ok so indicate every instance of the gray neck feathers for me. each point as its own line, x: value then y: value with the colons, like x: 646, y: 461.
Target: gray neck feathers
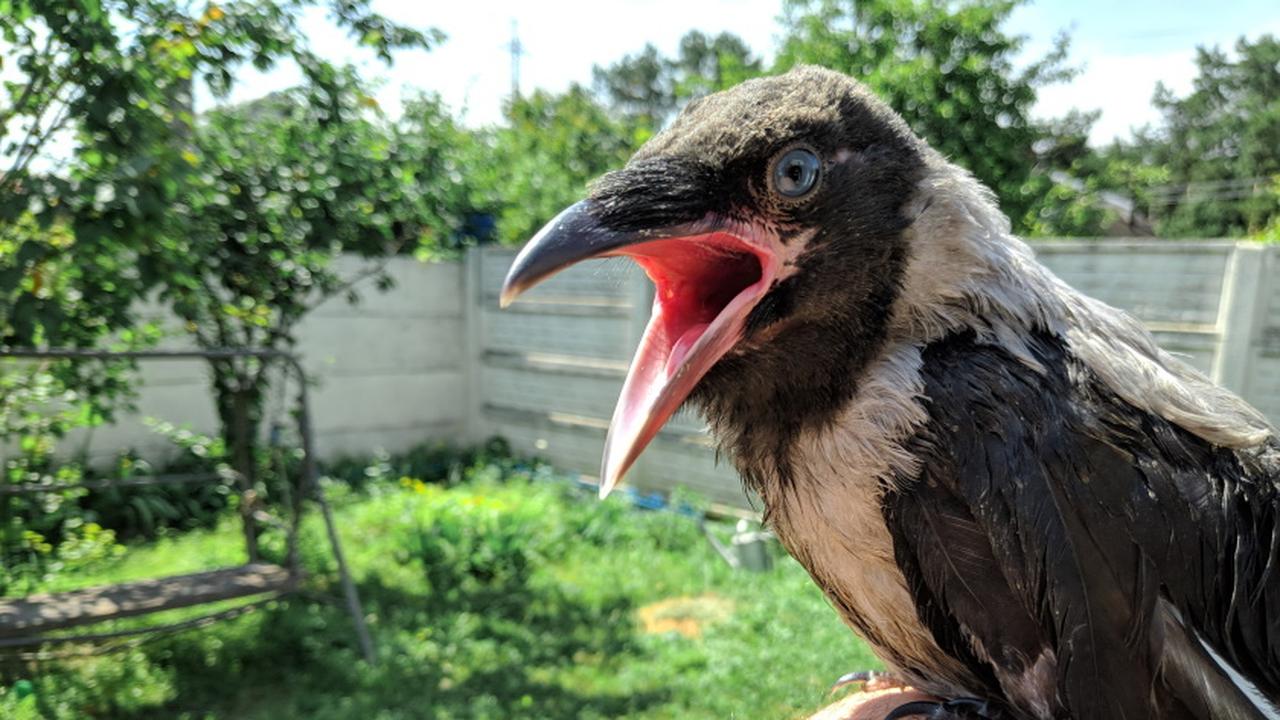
x: 968, y: 272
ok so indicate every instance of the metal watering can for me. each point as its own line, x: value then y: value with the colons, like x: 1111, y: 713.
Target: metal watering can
x: 748, y: 548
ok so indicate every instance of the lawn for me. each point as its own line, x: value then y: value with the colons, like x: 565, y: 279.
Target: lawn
x: 496, y: 596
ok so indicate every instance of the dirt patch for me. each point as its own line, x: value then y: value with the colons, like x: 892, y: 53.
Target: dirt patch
x: 685, y: 615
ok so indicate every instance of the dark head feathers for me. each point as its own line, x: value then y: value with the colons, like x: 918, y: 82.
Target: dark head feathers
x: 760, y: 115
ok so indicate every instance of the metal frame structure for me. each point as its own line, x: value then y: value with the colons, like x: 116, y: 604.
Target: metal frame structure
x: 309, y: 488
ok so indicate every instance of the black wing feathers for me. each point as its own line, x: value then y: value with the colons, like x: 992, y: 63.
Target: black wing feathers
x: 1051, y: 517
x: 948, y: 563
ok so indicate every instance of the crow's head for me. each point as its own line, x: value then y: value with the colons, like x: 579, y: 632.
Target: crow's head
x: 770, y: 218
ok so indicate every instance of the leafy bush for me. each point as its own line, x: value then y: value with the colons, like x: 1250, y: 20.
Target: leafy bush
x: 472, y: 545
x: 53, y: 532
x: 81, y: 547
x: 123, y: 685
x: 148, y: 510
x: 435, y: 462
x: 38, y: 407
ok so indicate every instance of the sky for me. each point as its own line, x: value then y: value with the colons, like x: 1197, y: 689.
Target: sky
x: 1123, y: 47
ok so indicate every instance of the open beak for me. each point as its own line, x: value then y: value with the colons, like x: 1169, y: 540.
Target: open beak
x: 708, y: 275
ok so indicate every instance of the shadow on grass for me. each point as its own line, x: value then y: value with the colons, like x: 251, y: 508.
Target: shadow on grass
x: 511, y: 649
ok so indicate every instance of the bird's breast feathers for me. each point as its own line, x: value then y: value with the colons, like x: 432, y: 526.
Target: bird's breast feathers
x: 827, y: 511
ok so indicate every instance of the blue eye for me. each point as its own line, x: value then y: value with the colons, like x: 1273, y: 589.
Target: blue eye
x: 796, y: 172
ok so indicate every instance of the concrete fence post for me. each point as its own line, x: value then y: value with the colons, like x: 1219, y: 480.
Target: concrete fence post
x: 1239, y: 312
x: 473, y: 329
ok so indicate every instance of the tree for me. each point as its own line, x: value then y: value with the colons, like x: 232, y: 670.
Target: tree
x: 948, y: 68
x: 232, y: 221
x: 638, y: 86
x: 1220, y: 144
x: 284, y: 186
x: 706, y: 64
x: 552, y: 147
x: 1079, y: 191
x: 444, y: 157
x: 102, y: 96
x: 648, y: 88
x: 1210, y: 169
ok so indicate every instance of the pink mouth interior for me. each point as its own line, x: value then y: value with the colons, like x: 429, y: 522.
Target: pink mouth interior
x: 695, y: 279
x: 705, y: 285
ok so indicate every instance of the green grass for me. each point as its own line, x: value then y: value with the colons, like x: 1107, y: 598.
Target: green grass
x: 486, y: 600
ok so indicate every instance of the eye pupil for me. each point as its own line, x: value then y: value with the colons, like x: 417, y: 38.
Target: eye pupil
x: 796, y: 172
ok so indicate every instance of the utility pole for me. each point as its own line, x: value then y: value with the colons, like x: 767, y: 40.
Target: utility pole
x: 517, y: 50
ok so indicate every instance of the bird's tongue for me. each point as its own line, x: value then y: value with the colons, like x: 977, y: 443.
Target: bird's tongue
x: 704, y: 288
x: 684, y: 345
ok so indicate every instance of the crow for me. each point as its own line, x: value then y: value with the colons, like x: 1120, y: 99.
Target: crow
x: 1022, y: 504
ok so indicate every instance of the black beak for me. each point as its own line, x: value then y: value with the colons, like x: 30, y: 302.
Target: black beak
x: 709, y: 273
x: 574, y: 235
x: 647, y: 200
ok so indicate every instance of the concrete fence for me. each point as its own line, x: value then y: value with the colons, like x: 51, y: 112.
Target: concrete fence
x: 436, y: 359
x: 389, y: 373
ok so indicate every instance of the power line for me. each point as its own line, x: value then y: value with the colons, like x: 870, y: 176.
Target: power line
x: 1210, y: 187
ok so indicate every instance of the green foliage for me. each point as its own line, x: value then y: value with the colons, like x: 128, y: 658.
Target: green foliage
x: 639, y: 85
x: 648, y: 88
x: 281, y: 187
x: 1064, y: 210
x: 232, y: 221
x: 501, y: 595
x: 1209, y: 169
x: 127, y: 685
x: 121, y: 98
x: 149, y: 510
x: 56, y: 533
x: 948, y: 68
x: 40, y: 302
x: 1220, y: 144
x: 32, y: 559
x: 441, y: 156
x: 441, y: 462
x: 1078, y: 209
x: 1270, y: 233
x: 38, y: 407
x: 542, y: 160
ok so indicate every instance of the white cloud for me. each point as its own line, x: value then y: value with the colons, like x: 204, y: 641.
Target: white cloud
x: 1121, y: 82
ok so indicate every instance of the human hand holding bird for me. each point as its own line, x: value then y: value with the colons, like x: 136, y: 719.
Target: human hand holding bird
x: 870, y: 704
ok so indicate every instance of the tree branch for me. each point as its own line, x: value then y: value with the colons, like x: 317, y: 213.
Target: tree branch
x: 36, y: 138
x: 30, y: 90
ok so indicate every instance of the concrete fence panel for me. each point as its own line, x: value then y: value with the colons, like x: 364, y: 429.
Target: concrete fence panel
x: 389, y: 372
